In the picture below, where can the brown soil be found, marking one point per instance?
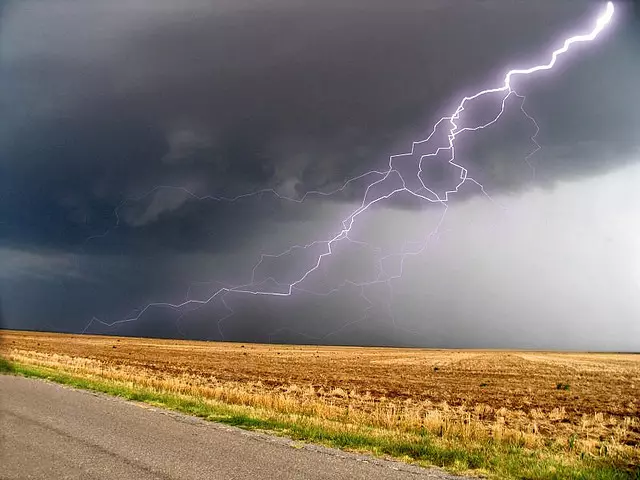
(553, 389)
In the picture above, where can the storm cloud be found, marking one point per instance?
(100, 103)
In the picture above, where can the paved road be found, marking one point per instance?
(48, 431)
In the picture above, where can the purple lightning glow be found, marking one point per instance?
(386, 178)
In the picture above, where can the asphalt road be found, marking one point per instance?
(48, 431)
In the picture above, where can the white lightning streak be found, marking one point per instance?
(422, 193)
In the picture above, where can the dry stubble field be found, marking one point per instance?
(588, 401)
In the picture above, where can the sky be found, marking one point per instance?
(126, 127)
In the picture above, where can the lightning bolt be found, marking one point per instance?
(379, 179)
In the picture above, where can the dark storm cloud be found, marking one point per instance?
(102, 101)
(2, 323)
(107, 101)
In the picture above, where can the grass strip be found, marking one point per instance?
(490, 459)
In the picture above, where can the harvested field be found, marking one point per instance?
(588, 401)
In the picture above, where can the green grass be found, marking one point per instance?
(493, 459)
(5, 366)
